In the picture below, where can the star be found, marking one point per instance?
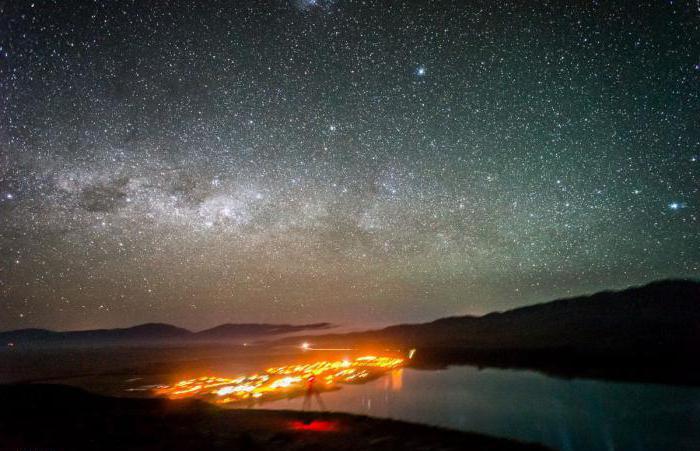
(676, 205)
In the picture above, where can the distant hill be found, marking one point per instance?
(665, 313)
(231, 331)
(151, 333)
(656, 325)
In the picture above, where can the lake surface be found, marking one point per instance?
(579, 414)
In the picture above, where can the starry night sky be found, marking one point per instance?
(360, 162)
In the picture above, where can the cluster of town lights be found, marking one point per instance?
(284, 381)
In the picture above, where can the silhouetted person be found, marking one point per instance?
(311, 391)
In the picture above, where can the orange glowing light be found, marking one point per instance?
(279, 382)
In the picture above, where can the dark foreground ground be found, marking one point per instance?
(56, 417)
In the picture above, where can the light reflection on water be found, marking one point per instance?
(580, 415)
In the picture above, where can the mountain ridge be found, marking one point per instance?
(151, 332)
(647, 333)
(654, 315)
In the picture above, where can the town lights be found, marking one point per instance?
(284, 381)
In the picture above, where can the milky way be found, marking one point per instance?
(352, 161)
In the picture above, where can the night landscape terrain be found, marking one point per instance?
(645, 333)
(349, 224)
(67, 418)
(648, 333)
(151, 334)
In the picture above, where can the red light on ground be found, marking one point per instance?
(315, 425)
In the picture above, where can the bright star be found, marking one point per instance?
(421, 71)
(676, 205)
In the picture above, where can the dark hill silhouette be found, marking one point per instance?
(654, 327)
(142, 332)
(150, 333)
(662, 313)
(229, 331)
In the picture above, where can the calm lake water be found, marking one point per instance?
(580, 415)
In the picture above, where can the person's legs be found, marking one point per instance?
(320, 401)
